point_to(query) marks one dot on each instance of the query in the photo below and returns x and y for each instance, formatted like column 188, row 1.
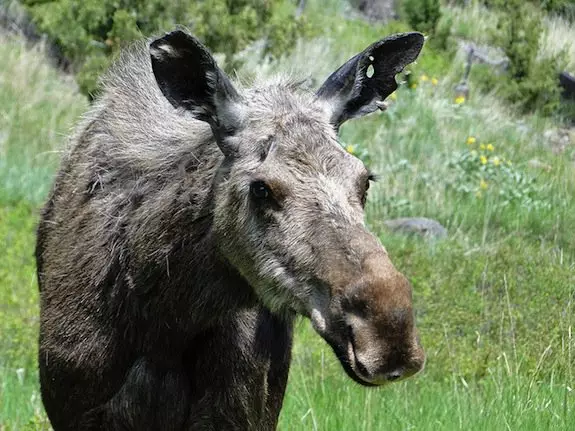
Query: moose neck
column 176, row 276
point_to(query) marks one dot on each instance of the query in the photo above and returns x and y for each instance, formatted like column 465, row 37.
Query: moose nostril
column 394, row 375
column 361, row 368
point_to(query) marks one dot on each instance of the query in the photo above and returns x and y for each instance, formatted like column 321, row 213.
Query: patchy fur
column 168, row 293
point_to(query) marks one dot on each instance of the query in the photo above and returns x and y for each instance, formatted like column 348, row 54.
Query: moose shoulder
column 191, row 220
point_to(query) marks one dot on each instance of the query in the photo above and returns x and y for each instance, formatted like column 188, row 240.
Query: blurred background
column 475, row 202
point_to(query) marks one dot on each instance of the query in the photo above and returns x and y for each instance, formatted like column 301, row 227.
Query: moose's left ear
column 360, row 86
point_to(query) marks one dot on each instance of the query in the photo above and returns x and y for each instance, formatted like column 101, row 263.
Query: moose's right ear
column 189, row 77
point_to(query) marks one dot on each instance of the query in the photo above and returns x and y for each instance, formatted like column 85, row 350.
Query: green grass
column 21, row 404
column 495, row 300
column 498, row 328
column 19, row 393
column 37, row 109
column 319, row 398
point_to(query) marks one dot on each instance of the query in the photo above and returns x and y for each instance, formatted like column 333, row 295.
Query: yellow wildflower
column 459, row 100
column 490, row 147
column 483, row 160
column 393, row 96
column 470, row 140
column 434, row 81
column 350, row 149
column 482, row 147
column 496, row 161
column 483, row 184
column 414, row 86
column 424, row 78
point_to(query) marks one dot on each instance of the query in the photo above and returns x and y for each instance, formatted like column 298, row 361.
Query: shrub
column 480, row 171
column 565, row 8
column 92, row 31
column 518, row 34
column 422, row 15
column 532, row 81
column 441, row 39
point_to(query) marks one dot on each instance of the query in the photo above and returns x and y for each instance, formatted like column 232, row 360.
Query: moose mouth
column 345, row 353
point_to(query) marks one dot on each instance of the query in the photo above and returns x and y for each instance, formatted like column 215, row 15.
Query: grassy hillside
column 37, row 109
column 495, row 300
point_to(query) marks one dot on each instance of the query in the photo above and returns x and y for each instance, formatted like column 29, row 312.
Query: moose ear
column 360, row 86
column 189, row 78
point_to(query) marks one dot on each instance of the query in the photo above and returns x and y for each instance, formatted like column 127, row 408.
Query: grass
column 37, row 109
column 494, row 361
column 559, row 35
column 474, row 22
column 320, row 399
column 495, row 300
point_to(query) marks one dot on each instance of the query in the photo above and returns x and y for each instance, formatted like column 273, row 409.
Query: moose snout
column 370, row 322
column 378, row 358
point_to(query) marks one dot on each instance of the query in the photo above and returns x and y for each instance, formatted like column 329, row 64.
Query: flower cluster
column 423, row 80
column 480, row 170
column 459, row 100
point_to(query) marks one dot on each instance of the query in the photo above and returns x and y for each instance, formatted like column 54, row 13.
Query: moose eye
column 260, row 190
column 371, row 177
column 364, row 196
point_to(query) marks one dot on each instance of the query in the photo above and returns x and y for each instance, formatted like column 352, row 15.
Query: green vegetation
column 91, row 32
column 422, row 15
column 480, row 171
column 495, row 300
column 537, row 47
column 37, row 110
column 320, row 398
column 533, row 80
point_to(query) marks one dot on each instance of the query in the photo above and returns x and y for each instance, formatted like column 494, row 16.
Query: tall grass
column 474, row 22
column 320, row 398
column 559, row 36
column 37, row 107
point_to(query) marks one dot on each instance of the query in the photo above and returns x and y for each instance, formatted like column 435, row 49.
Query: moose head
column 289, row 200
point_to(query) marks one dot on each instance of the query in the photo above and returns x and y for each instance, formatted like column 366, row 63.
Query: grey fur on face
column 191, row 220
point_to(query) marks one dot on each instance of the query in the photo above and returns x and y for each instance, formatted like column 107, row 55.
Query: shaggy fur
column 168, row 292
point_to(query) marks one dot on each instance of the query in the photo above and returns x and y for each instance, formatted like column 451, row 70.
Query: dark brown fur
column 167, row 293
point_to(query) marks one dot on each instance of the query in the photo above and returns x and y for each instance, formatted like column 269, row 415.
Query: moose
column 191, row 221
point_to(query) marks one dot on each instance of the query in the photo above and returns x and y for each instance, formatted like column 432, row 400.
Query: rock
column 557, row 140
column 421, row 226
column 462, row 90
column 484, row 54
